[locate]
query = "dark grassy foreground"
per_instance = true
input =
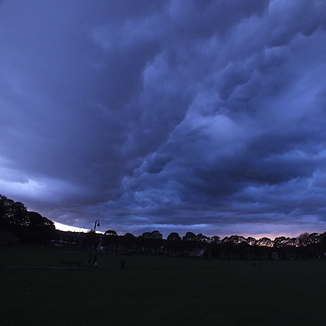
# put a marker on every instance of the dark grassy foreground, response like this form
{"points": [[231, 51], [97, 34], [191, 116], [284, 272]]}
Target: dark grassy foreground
{"points": [[158, 291]]}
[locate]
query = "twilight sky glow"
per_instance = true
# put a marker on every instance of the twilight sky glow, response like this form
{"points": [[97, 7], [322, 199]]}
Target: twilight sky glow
{"points": [[203, 116]]}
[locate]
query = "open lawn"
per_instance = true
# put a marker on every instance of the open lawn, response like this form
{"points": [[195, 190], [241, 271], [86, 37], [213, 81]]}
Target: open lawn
{"points": [[157, 291]]}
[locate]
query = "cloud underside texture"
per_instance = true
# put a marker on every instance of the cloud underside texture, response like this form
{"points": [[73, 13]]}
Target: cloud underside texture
{"points": [[206, 115]]}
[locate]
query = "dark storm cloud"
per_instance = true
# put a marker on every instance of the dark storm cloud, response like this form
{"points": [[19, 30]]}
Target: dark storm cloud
{"points": [[169, 115]]}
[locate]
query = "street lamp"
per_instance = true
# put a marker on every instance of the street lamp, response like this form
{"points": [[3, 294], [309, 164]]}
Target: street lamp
{"points": [[97, 223]]}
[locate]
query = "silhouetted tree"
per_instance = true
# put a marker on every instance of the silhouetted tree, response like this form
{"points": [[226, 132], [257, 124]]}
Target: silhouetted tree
{"points": [[202, 238], [236, 239], [251, 241], [225, 240], [303, 239], [39, 228], [313, 238], [280, 242], [129, 241], [156, 235], [189, 236], [129, 235], [174, 236], [146, 235], [266, 242], [13, 214], [152, 235], [110, 239], [110, 232], [215, 239], [28, 226], [150, 242], [174, 244]]}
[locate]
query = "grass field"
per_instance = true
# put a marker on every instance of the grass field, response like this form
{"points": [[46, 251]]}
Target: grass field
{"points": [[157, 291]]}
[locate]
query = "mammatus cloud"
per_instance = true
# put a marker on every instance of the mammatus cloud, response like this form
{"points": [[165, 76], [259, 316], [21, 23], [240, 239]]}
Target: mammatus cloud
{"points": [[172, 115]]}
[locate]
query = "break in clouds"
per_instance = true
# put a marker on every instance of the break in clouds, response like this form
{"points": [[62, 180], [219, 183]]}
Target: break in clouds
{"points": [[203, 116]]}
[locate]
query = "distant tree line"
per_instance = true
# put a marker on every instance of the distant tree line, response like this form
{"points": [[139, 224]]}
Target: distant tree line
{"points": [[304, 246], [33, 227], [27, 226]]}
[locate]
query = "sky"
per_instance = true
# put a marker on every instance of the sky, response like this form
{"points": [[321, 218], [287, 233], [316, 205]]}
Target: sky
{"points": [[201, 116]]}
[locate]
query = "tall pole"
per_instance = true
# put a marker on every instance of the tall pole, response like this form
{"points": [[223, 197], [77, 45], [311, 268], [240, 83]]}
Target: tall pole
{"points": [[97, 223]]}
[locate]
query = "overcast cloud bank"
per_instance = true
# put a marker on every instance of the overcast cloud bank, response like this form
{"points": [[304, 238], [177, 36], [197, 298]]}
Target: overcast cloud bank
{"points": [[203, 116]]}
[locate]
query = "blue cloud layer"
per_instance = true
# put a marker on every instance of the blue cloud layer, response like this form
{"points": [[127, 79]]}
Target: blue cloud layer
{"points": [[167, 115]]}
